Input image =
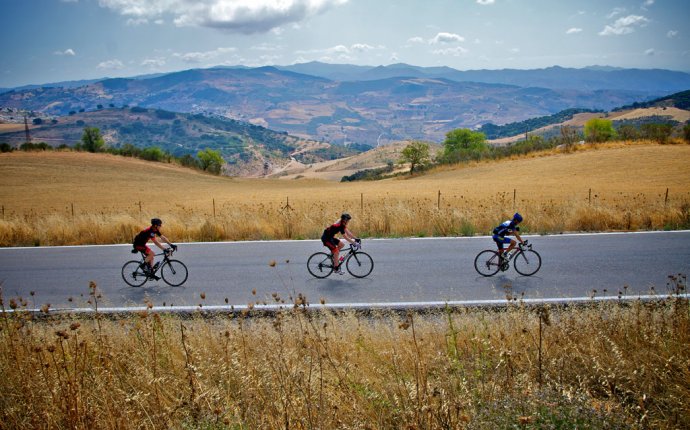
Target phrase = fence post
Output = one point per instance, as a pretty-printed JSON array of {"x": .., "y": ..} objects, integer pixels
[
  {"x": 514, "y": 196},
  {"x": 3, "y": 211},
  {"x": 361, "y": 203},
  {"x": 438, "y": 204},
  {"x": 590, "y": 196},
  {"x": 72, "y": 211},
  {"x": 139, "y": 209},
  {"x": 666, "y": 198},
  {"x": 214, "y": 208}
]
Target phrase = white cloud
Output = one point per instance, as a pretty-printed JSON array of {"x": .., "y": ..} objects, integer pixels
[
  {"x": 615, "y": 11},
  {"x": 649, "y": 52},
  {"x": 485, "y": 2},
  {"x": 446, "y": 38},
  {"x": 451, "y": 52},
  {"x": 624, "y": 25},
  {"x": 111, "y": 65},
  {"x": 573, "y": 30},
  {"x": 133, "y": 22},
  {"x": 202, "y": 57},
  {"x": 68, "y": 52},
  {"x": 415, "y": 39},
  {"x": 647, "y": 3},
  {"x": 154, "y": 63},
  {"x": 671, "y": 34},
  {"x": 243, "y": 16}
]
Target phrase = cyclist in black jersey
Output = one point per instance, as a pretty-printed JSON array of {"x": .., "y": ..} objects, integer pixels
[
  {"x": 507, "y": 228},
  {"x": 333, "y": 243},
  {"x": 151, "y": 233}
]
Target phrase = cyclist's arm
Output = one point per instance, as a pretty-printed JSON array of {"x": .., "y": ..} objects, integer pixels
[
  {"x": 517, "y": 235},
  {"x": 157, "y": 242},
  {"x": 349, "y": 236}
]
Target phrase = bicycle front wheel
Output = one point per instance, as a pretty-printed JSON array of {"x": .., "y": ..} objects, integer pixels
[
  {"x": 320, "y": 265},
  {"x": 527, "y": 262},
  {"x": 133, "y": 274},
  {"x": 487, "y": 263},
  {"x": 174, "y": 273},
  {"x": 359, "y": 264}
]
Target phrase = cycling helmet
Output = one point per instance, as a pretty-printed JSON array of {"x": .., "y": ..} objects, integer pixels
[
  {"x": 517, "y": 217},
  {"x": 346, "y": 216},
  {"x": 156, "y": 221}
]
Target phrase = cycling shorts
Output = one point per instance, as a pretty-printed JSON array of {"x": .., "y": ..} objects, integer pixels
[
  {"x": 331, "y": 243},
  {"x": 143, "y": 248},
  {"x": 501, "y": 240}
]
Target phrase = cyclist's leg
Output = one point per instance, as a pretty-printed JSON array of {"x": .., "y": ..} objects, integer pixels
[
  {"x": 512, "y": 245},
  {"x": 336, "y": 254},
  {"x": 149, "y": 257},
  {"x": 329, "y": 243}
]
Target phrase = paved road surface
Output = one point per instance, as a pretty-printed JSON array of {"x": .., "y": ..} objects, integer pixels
[{"x": 406, "y": 270}]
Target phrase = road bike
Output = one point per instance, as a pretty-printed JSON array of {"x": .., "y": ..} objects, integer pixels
[
  {"x": 173, "y": 272},
  {"x": 358, "y": 263},
  {"x": 525, "y": 260}
]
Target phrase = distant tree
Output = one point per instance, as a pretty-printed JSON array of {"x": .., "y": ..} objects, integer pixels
[
  {"x": 463, "y": 144},
  {"x": 82, "y": 110},
  {"x": 6, "y": 147},
  {"x": 686, "y": 132},
  {"x": 210, "y": 160},
  {"x": 53, "y": 121},
  {"x": 659, "y": 133},
  {"x": 99, "y": 106},
  {"x": 599, "y": 130},
  {"x": 91, "y": 140},
  {"x": 416, "y": 153},
  {"x": 188, "y": 161},
  {"x": 628, "y": 132},
  {"x": 153, "y": 153},
  {"x": 37, "y": 121},
  {"x": 72, "y": 112},
  {"x": 112, "y": 105}
]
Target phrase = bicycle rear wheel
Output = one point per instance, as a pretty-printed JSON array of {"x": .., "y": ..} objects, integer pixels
[
  {"x": 174, "y": 273},
  {"x": 359, "y": 264},
  {"x": 487, "y": 263},
  {"x": 320, "y": 265},
  {"x": 133, "y": 274},
  {"x": 527, "y": 262}
]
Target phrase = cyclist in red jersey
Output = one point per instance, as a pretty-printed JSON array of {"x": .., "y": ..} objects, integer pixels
[
  {"x": 334, "y": 244},
  {"x": 151, "y": 233}
]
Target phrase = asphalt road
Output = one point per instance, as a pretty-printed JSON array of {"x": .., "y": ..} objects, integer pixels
[{"x": 406, "y": 271}]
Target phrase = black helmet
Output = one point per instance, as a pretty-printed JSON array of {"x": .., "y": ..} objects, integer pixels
[
  {"x": 517, "y": 217},
  {"x": 156, "y": 221},
  {"x": 346, "y": 216}
]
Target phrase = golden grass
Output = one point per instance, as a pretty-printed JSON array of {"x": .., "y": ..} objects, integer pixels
[
  {"x": 611, "y": 366},
  {"x": 57, "y": 198}
]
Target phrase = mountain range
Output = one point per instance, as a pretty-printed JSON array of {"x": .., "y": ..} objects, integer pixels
[{"x": 346, "y": 104}]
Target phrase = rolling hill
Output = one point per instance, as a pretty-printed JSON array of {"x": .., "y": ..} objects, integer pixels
[
  {"x": 366, "y": 111},
  {"x": 250, "y": 150}
]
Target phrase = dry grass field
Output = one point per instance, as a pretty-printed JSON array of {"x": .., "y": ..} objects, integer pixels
[
  {"x": 69, "y": 198},
  {"x": 606, "y": 366}
]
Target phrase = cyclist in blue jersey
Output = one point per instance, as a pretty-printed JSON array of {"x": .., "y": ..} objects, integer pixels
[{"x": 507, "y": 228}]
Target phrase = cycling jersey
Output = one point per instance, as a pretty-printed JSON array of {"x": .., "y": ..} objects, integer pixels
[
  {"x": 144, "y": 236},
  {"x": 335, "y": 228},
  {"x": 506, "y": 227}
]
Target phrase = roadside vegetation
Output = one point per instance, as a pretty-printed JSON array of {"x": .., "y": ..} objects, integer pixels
[
  {"x": 56, "y": 198},
  {"x": 605, "y": 365}
]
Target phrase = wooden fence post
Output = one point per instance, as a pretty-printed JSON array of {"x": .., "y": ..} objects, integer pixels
[
  {"x": 438, "y": 204},
  {"x": 590, "y": 196},
  {"x": 3, "y": 211},
  {"x": 514, "y": 197},
  {"x": 72, "y": 211},
  {"x": 214, "y": 208},
  {"x": 139, "y": 209},
  {"x": 361, "y": 203},
  {"x": 666, "y": 198}
]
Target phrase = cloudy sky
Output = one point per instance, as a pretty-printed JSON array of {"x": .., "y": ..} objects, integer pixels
[{"x": 55, "y": 40}]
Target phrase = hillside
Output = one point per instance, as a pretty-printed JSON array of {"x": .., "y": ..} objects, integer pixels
[
  {"x": 366, "y": 112},
  {"x": 249, "y": 149}
]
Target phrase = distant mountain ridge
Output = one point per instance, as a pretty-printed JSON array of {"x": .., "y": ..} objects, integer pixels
[{"x": 364, "y": 105}]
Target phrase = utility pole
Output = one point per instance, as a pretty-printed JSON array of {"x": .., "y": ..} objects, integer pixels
[{"x": 26, "y": 130}]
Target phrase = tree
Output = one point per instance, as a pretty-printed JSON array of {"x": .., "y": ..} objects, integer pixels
[
  {"x": 659, "y": 133},
  {"x": 628, "y": 132},
  {"x": 37, "y": 121},
  {"x": 416, "y": 153},
  {"x": 210, "y": 160},
  {"x": 686, "y": 132},
  {"x": 599, "y": 130},
  {"x": 92, "y": 140},
  {"x": 463, "y": 144}
]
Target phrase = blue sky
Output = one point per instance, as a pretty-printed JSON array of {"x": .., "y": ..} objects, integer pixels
[{"x": 56, "y": 40}]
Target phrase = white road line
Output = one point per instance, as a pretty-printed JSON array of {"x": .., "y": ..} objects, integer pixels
[
  {"x": 374, "y": 305},
  {"x": 241, "y": 242}
]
